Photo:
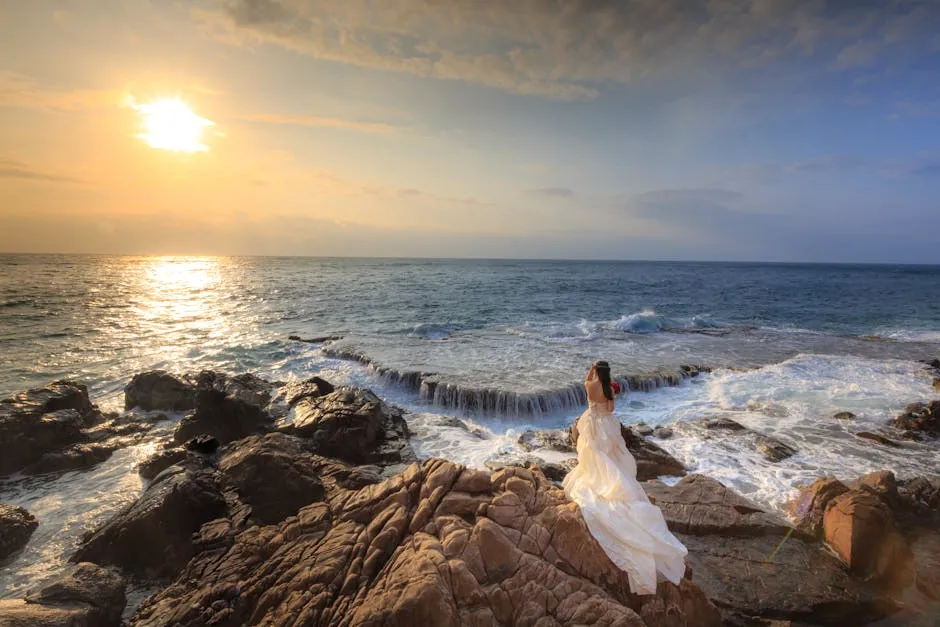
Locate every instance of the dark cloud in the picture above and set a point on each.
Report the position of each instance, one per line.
(571, 49)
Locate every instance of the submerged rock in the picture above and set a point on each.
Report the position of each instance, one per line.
(651, 460)
(152, 537)
(642, 429)
(880, 439)
(844, 415)
(551, 439)
(16, 527)
(74, 457)
(85, 595)
(42, 420)
(773, 449)
(437, 545)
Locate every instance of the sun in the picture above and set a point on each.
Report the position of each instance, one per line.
(170, 124)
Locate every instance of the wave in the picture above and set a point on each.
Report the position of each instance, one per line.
(430, 331)
(471, 400)
(907, 336)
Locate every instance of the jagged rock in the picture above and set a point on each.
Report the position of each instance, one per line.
(861, 529)
(16, 527)
(204, 445)
(160, 461)
(880, 439)
(42, 420)
(158, 389)
(773, 449)
(314, 387)
(700, 505)
(223, 417)
(436, 545)
(551, 439)
(809, 507)
(920, 418)
(273, 474)
(881, 483)
(558, 471)
(651, 460)
(354, 425)
(85, 595)
(920, 495)
(514, 460)
(152, 537)
(844, 415)
(245, 387)
(642, 429)
(663, 433)
(74, 457)
(739, 558)
(722, 424)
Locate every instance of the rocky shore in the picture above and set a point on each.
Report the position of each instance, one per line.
(304, 504)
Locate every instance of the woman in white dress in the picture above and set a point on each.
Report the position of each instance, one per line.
(618, 513)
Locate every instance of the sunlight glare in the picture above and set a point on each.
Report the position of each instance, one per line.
(170, 124)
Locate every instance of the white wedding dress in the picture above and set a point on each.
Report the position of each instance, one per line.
(618, 513)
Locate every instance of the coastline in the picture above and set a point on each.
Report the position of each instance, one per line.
(361, 447)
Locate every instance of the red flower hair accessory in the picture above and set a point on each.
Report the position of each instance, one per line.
(615, 387)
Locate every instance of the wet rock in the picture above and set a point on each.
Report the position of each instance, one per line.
(920, 495)
(551, 439)
(314, 387)
(651, 460)
(558, 471)
(722, 424)
(875, 437)
(158, 389)
(85, 595)
(245, 387)
(74, 457)
(315, 340)
(203, 445)
(844, 415)
(809, 507)
(160, 461)
(152, 537)
(16, 527)
(223, 417)
(274, 474)
(514, 460)
(881, 483)
(663, 433)
(354, 425)
(642, 429)
(739, 558)
(700, 505)
(773, 449)
(920, 418)
(437, 545)
(862, 531)
(42, 420)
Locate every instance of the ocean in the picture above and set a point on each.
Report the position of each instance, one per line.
(502, 345)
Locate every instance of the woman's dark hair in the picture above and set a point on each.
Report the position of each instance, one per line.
(602, 368)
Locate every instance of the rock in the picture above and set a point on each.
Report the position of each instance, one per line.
(642, 429)
(246, 387)
(203, 445)
(160, 461)
(152, 537)
(315, 340)
(700, 505)
(651, 460)
(936, 384)
(354, 425)
(436, 545)
(663, 433)
(745, 562)
(85, 595)
(158, 389)
(42, 420)
(882, 484)
(722, 424)
(921, 418)
(809, 507)
(314, 387)
(773, 449)
(844, 415)
(514, 460)
(551, 439)
(74, 457)
(558, 471)
(274, 474)
(920, 495)
(880, 439)
(223, 417)
(16, 527)
(861, 529)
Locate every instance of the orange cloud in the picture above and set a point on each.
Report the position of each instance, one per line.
(324, 122)
(21, 91)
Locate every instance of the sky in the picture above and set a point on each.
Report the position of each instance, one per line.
(738, 130)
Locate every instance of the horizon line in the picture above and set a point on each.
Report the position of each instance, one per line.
(516, 259)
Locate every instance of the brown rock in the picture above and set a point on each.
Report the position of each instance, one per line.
(883, 484)
(651, 460)
(920, 495)
(880, 439)
(314, 387)
(83, 596)
(436, 545)
(158, 389)
(74, 457)
(921, 418)
(810, 506)
(551, 439)
(861, 529)
(16, 527)
(226, 418)
(722, 424)
(936, 384)
(844, 415)
(772, 448)
(160, 461)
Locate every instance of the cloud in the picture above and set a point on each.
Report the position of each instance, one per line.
(826, 163)
(381, 128)
(570, 49)
(17, 90)
(553, 192)
(13, 169)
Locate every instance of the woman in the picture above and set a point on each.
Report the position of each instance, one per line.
(628, 527)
